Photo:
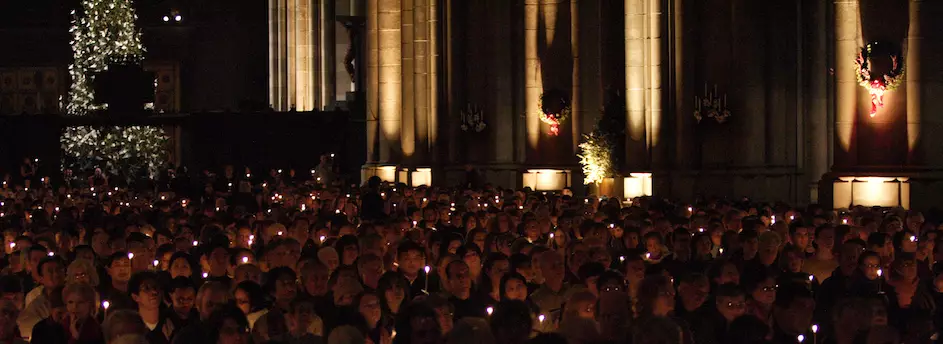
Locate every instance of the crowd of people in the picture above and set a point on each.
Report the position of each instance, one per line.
(231, 257)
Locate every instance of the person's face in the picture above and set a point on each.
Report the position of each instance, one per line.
(826, 239)
(411, 261)
(285, 288)
(695, 293)
(370, 308)
(34, 258)
(425, 330)
(498, 269)
(77, 306)
(797, 318)
(232, 333)
(148, 296)
(907, 268)
(728, 274)
(53, 275)
(849, 256)
(765, 292)
(81, 275)
(551, 266)
(653, 246)
(243, 301)
(315, 283)
(459, 279)
(801, 238)
(731, 307)
(515, 289)
(329, 257)
(634, 271)
(183, 298)
(371, 273)
(212, 300)
(219, 259)
(446, 319)
(453, 246)
(794, 261)
(665, 301)
(394, 296)
(180, 268)
(350, 254)
(750, 246)
(586, 309)
(870, 267)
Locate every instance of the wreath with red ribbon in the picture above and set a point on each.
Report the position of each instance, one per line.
(890, 80)
(554, 109)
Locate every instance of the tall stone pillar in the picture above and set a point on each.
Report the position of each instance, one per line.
(636, 68)
(922, 77)
(501, 77)
(847, 42)
(328, 51)
(421, 77)
(433, 84)
(291, 55)
(390, 78)
(590, 62)
(372, 57)
(816, 96)
(408, 122)
(576, 92)
(532, 76)
(654, 94)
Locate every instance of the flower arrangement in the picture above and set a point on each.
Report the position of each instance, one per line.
(887, 81)
(473, 119)
(554, 109)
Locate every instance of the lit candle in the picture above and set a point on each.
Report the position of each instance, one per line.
(245, 260)
(205, 275)
(51, 254)
(621, 259)
(322, 239)
(815, 332)
(541, 318)
(801, 338)
(195, 243)
(280, 233)
(648, 255)
(156, 262)
(130, 255)
(12, 245)
(913, 238)
(489, 310)
(427, 278)
(106, 304)
(550, 240)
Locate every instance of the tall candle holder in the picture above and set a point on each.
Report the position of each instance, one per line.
(711, 106)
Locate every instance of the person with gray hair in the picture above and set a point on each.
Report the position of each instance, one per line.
(122, 325)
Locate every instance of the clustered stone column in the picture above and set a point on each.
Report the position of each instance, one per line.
(401, 71)
(643, 79)
(301, 70)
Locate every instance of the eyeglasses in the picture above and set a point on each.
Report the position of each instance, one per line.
(735, 305)
(612, 288)
(770, 288)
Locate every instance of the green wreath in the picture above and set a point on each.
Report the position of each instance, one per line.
(554, 109)
(889, 81)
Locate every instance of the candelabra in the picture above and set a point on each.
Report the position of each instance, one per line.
(711, 106)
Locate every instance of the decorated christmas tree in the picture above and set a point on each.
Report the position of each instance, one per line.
(104, 33)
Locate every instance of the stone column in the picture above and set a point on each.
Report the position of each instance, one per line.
(924, 82)
(433, 83)
(576, 102)
(590, 63)
(501, 70)
(816, 97)
(328, 50)
(654, 93)
(421, 77)
(636, 148)
(408, 122)
(847, 43)
(291, 21)
(372, 63)
(684, 91)
(390, 78)
(273, 53)
(532, 78)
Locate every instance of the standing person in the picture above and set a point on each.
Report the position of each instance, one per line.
(52, 276)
